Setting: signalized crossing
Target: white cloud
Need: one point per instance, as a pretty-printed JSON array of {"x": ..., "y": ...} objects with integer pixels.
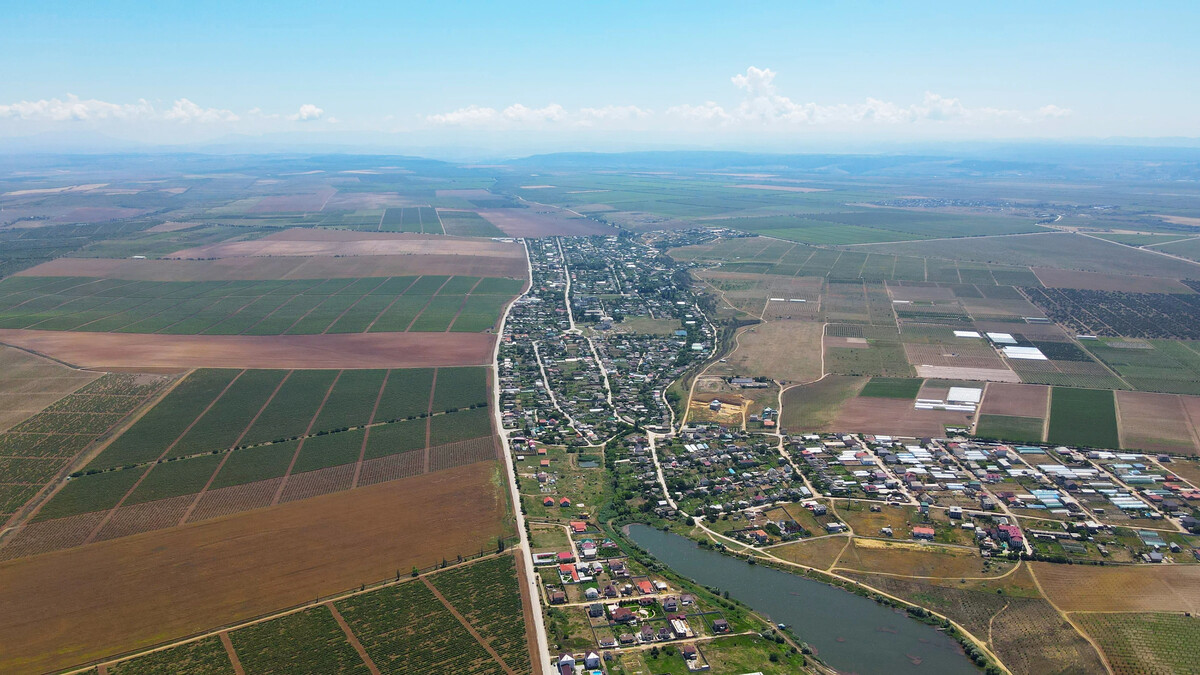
[
  {"x": 707, "y": 112},
  {"x": 470, "y": 116},
  {"x": 185, "y": 111},
  {"x": 522, "y": 114},
  {"x": 74, "y": 109},
  {"x": 615, "y": 112},
  {"x": 308, "y": 112},
  {"x": 1054, "y": 111}
]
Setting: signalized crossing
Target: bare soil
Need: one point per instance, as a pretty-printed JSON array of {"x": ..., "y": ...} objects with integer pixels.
[
  {"x": 70, "y": 607},
  {"x": 1020, "y": 400},
  {"x": 349, "y": 350}
]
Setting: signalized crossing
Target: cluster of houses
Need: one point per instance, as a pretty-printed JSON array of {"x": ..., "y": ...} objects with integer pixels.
[{"x": 566, "y": 387}]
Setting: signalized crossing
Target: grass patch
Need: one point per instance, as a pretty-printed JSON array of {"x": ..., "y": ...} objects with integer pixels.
[{"x": 892, "y": 387}]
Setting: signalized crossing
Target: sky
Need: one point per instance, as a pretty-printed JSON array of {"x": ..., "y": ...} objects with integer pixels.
[{"x": 562, "y": 76}]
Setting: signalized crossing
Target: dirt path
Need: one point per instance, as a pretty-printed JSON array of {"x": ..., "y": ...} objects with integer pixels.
[
  {"x": 470, "y": 629},
  {"x": 409, "y": 327},
  {"x": 362, "y": 452},
  {"x": 1067, "y": 617},
  {"x": 429, "y": 418},
  {"x": 108, "y": 516},
  {"x": 300, "y": 446},
  {"x": 352, "y": 639},
  {"x": 233, "y": 657},
  {"x": 992, "y": 620},
  {"x": 462, "y": 305}
]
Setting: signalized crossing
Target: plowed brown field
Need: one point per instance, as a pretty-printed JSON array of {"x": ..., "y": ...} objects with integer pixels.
[
  {"x": 70, "y": 607},
  {"x": 347, "y": 350}
]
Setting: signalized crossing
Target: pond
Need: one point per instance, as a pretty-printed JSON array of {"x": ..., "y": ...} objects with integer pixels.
[{"x": 851, "y": 633}]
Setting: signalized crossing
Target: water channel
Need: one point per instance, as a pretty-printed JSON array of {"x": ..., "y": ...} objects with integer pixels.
[{"x": 853, "y": 634}]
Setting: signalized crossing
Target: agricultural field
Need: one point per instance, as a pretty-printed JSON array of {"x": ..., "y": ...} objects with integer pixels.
[
  {"x": 31, "y": 383},
  {"x": 202, "y": 657},
  {"x": 1135, "y": 315},
  {"x": 1084, "y": 417},
  {"x": 309, "y": 641},
  {"x": 814, "y": 407},
  {"x": 419, "y": 219},
  {"x": 1155, "y": 588},
  {"x": 1051, "y": 250},
  {"x": 787, "y": 351},
  {"x": 488, "y": 596},
  {"x": 1158, "y": 422},
  {"x": 1145, "y": 644},
  {"x": 1171, "y": 366},
  {"x": 852, "y": 349},
  {"x": 891, "y": 387},
  {"x": 189, "y": 579},
  {"x": 295, "y": 307},
  {"x": 41, "y": 449},
  {"x": 304, "y": 432},
  {"x": 1010, "y": 428},
  {"x": 467, "y": 224}
]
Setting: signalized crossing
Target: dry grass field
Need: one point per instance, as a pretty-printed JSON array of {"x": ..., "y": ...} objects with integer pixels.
[
  {"x": 1137, "y": 588},
  {"x": 30, "y": 383},
  {"x": 819, "y": 553},
  {"x": 894, "y": 417},
  {"x": 787, "y": 351},
  {"x": 1157, "y": 423},
  {"x": 69, "y": 607},
  {"x": 814, "y": 407},
  {"x": 916, "y": 560},
  {"x": 345, "y": 350},
  {"x": 311, "y": 242}
]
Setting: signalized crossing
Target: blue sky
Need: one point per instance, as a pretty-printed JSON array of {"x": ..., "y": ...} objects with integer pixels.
[{"x": 698, "y": 72}]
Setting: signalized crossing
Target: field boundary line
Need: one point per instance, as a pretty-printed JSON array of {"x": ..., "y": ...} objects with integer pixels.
[
  {"x": 300, "y": 446},
  {"x": 394, "y": 301},
  {"x": 467, "y": 624},
  {"x": 351, "y": 638},
  {"x": 362, "y": 452},
  {"x": 462, "y": 305},
  {"x": 111, "y": 512},
  {"x": 429, "y": 419},
  {"x": 353, "y": 305},
  {"x": 229, "y": 453},
  {"x": 427, "y": 304},
  {"x": 231, "y": 653}
]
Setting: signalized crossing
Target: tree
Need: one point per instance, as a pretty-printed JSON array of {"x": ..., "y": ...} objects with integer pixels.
[{"x": 415, "y": 572}]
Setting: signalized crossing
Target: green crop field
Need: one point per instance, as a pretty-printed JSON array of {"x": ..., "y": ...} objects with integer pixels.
[
  {"x": 1145, "y": 644},
  {"x": 175, "y": 478},
  {"x": 254, "y": 464},
  {"x": 488, "y": 595},
  {"x": 460, "y": 426},
  {"x": 310, "y": 641},
  {"x": 1010, "y": 428},
  {"x": 460, "y": 388},
  {"x": 406, "y": 394},
  {"x": 468, "y": 224},
  {"x": 406, "y": 630},
  {"x": 85, "y": 494},
  {"x": 892, "y": 387},
  {"x": 1086, "y": 417},
  {"x": 351, "y": 401},
  {"x": 293, "y": 407},
  {"x": 202, "y": 657},
  {"x": 302, "y": 306},
  {"x": 320, "y": 452},
  {"x": 266, "y": 448}
]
